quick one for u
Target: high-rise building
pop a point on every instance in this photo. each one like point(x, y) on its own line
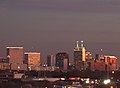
point(88, 56)
point(15, 57)
point(79, 56)
point(51, 60)
point(32, 59)
point(62, 60)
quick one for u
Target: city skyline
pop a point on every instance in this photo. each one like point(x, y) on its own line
point(54, 26)
point(78, 46)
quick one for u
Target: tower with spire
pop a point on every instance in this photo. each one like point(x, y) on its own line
point(77, 48)
point(79, 56)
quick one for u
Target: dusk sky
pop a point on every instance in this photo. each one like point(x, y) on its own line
point(51, 26)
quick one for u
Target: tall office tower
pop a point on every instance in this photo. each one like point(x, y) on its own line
point(79, 56)
point(51, 60)
point(32, 59)
point(15, 57)
point(62, 60)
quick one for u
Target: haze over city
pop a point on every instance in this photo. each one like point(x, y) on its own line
point(50, 26)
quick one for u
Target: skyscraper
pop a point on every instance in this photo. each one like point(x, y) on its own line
point(32, 59)
point(62, 60)
point(15, 57)
point(51, 60)
point(79, 56)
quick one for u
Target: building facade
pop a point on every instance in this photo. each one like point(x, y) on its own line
point(4, 63)
point(88, 56)
point(15, 57)
point(62, 60)
point(32, 59)
point(51, 60)
point(104, 63)
point(79, 56)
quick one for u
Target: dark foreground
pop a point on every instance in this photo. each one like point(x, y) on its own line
point(20, 83)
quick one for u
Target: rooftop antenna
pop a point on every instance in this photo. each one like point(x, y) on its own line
point(82, 43)
point(77, 43)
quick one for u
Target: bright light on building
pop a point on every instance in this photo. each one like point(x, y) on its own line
point(107, 81)
point(29, 68)
point(82, 79)
point(72, 78)
point(92, 82)
point(87, 81)
point(111, 87)
point(113, 72)
point(18, 67)
point(62, 78)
